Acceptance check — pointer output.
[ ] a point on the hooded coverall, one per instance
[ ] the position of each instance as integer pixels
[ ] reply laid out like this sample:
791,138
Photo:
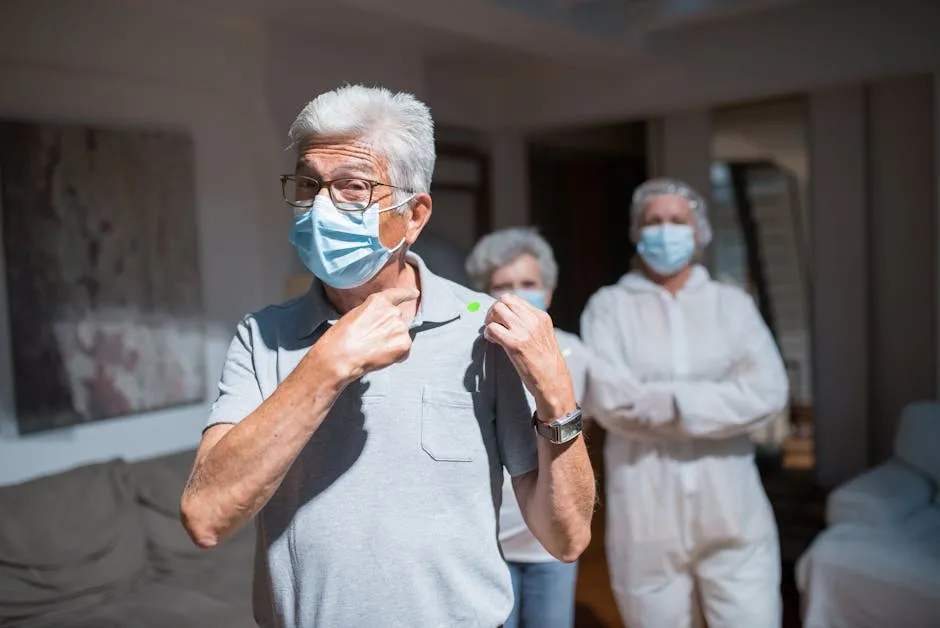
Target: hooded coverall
678,382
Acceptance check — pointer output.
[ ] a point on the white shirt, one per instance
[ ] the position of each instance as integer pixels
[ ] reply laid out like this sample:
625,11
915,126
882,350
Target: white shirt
518,543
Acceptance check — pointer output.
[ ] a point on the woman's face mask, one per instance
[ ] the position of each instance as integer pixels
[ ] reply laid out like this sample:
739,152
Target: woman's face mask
342,248
535,298
523,278
666,248
667,242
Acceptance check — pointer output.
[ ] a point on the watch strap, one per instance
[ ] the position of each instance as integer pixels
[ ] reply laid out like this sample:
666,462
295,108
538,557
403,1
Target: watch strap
560,430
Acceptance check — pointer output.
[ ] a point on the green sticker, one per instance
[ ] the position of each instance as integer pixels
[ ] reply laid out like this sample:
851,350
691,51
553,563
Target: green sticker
473,307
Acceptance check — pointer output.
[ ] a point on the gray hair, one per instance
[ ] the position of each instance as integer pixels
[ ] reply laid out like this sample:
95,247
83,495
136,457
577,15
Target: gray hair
499,248
397,126
659,187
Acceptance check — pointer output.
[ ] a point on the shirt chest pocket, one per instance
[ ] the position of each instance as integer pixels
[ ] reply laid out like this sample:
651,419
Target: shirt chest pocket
450,431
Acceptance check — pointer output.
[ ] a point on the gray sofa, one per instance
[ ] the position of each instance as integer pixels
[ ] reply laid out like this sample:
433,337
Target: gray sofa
101,546
878,562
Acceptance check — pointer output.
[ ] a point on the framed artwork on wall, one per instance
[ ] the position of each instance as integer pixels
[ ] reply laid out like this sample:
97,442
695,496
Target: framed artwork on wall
101,259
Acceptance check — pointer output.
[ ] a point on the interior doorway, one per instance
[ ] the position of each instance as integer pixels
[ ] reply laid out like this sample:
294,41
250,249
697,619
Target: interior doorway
760,179
581,182
580,185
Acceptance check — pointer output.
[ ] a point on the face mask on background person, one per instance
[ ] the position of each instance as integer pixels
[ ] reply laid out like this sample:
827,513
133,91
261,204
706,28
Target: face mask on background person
666,248
341,248
535,298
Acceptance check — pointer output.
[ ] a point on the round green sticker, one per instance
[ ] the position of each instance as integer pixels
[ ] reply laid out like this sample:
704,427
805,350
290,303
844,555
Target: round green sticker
473,307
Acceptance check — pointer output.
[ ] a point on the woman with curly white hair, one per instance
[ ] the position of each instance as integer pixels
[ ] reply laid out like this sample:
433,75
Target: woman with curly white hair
520,261
683,368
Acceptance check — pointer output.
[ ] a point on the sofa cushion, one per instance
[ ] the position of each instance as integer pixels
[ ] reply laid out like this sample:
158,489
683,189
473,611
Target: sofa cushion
67,541
867,577
159,483
923,530
154,605
227,574
918,439
889,493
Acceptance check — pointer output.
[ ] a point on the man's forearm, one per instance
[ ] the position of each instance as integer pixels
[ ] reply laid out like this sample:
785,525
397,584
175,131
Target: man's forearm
234,478
562,499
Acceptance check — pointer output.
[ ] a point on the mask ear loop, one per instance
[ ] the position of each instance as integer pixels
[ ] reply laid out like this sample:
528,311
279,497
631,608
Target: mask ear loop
391,207
396,206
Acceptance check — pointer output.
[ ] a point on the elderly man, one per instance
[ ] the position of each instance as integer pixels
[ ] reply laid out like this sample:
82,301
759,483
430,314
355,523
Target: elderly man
367,423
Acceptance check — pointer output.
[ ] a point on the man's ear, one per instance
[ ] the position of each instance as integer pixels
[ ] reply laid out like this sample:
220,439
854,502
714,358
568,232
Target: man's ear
548,298
418,217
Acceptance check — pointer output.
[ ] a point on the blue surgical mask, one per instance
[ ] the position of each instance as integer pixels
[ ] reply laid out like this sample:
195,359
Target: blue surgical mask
342,248
666,248
535,298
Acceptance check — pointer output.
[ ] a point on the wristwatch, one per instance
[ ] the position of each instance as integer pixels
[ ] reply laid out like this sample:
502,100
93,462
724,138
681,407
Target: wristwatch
560,430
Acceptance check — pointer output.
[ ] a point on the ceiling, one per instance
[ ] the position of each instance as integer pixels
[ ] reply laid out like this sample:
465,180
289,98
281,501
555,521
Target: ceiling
571,31
541,63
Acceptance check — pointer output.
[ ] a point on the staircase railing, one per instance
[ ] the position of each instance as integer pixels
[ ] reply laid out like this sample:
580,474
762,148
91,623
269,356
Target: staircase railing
751,234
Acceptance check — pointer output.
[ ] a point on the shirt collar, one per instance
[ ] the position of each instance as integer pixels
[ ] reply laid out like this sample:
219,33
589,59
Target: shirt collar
636,281
438,303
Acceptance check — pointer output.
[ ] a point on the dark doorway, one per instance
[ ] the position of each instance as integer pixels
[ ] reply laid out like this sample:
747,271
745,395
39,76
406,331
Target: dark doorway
580,187
581,182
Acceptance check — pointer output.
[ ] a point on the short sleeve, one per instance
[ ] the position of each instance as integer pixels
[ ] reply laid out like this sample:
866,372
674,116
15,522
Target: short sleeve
514,407
239,391
576,358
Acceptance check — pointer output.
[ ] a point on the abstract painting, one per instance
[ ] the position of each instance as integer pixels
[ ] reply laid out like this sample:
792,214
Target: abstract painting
102,271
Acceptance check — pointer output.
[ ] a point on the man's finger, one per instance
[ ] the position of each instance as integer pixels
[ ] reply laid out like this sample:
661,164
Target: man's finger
494,332
500,313
524,315
397,296
516,304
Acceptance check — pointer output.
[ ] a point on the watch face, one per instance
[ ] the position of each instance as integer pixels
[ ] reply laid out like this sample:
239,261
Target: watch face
562,430
569,431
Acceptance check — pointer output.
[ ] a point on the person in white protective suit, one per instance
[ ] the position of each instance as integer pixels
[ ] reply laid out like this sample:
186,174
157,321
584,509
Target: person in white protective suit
520,261
683,368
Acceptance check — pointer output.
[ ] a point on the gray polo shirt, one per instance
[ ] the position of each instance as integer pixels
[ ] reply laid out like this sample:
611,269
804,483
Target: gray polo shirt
389,515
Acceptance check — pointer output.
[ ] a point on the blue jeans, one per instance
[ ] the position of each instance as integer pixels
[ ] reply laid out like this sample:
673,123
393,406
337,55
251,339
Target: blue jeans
544,595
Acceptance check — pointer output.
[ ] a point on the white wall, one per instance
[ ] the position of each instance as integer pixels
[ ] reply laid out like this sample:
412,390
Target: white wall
872,228
840,299
761,55
236,86
772,131
687,148
936,199
206,82
509,179
873,179
684,151
901,235
776,132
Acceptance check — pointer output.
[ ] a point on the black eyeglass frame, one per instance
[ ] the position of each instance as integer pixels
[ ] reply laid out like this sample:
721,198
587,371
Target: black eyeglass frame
318,186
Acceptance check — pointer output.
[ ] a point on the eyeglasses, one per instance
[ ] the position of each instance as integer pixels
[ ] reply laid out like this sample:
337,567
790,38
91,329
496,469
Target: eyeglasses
347,194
